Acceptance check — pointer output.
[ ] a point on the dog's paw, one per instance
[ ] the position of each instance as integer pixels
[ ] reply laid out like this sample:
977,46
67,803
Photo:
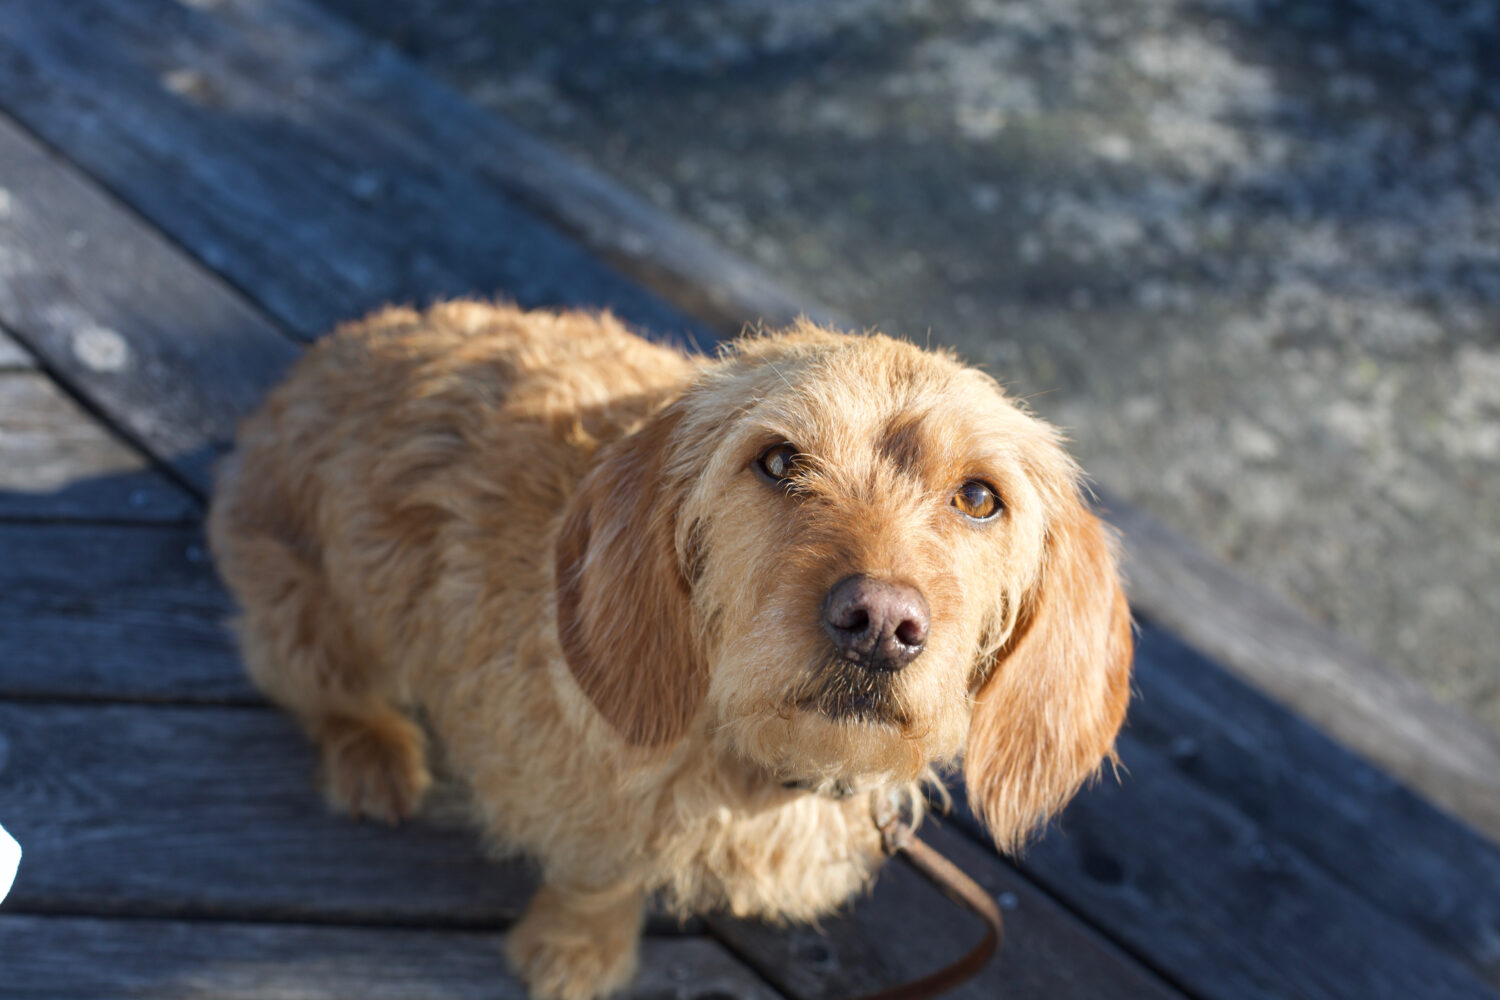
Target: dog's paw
567,953
571,969
374,767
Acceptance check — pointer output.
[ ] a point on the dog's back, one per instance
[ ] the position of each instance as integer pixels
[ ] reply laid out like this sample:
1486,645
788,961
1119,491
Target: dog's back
404,454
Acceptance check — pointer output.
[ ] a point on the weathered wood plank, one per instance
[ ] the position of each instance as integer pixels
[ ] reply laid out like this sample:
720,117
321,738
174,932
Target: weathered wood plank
173,812
183,812
108,611
1224,909
13,357
662,253
169,353
125,613
1349,693
69,957
907,928
237,133
58,462
1190,728
1215,858
1374,835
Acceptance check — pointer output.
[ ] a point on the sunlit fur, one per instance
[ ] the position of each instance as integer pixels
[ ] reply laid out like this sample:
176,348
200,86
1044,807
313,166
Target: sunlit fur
547,538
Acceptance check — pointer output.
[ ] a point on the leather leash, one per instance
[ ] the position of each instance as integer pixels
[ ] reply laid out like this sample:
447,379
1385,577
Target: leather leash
894,817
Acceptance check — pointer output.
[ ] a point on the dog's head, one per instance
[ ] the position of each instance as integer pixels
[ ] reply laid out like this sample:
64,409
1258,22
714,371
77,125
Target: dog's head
848,559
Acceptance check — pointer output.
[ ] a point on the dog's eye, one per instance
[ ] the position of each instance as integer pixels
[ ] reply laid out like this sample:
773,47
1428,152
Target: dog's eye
780,461
978,500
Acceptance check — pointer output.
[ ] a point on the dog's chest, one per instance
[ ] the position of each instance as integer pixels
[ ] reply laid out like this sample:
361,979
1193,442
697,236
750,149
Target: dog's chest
799,857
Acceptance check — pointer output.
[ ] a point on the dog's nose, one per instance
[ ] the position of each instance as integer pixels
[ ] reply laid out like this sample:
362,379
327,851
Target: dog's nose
880,624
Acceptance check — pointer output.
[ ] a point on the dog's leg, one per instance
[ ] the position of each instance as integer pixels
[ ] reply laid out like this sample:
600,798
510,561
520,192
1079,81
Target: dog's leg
575,945
373,764
300,650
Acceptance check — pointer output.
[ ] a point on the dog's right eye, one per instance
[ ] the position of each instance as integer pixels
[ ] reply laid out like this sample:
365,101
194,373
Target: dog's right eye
779,462
977,500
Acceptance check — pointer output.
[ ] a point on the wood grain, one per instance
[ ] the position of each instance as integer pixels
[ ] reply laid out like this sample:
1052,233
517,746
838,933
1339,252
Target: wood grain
210,812
1375,836
907,928
261,139
1223,907
206,812
1350,694
1241,854
64,958
170,354
682,263
58,462
13,357
113,611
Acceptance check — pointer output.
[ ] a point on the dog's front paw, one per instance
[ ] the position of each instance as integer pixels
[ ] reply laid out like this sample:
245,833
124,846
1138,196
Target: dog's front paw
573,947
374,767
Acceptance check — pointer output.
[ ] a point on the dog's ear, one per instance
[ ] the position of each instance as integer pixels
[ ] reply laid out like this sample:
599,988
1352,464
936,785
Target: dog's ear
623,604
1048,711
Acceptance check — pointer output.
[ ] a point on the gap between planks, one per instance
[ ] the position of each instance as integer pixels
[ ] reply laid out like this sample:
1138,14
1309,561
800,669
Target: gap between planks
59,462
58,957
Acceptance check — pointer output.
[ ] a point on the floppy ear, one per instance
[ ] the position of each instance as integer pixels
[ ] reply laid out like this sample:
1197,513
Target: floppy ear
623,603
1047,714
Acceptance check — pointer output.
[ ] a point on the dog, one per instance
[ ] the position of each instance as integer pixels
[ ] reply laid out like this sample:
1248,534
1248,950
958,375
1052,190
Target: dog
675,621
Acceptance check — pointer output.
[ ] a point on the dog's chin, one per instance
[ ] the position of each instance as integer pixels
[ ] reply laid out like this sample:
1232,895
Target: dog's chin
853,693
834,727
833,749
854,708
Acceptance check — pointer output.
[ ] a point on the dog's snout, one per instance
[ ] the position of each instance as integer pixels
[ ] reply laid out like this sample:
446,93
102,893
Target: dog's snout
882,625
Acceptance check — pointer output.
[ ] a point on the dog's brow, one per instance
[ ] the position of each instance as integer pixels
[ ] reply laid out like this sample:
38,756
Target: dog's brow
902,442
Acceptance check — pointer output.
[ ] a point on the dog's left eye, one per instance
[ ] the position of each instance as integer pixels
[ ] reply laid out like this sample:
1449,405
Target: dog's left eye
978,500
779,462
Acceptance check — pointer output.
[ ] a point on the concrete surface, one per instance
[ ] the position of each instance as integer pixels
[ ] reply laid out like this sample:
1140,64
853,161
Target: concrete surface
1248,251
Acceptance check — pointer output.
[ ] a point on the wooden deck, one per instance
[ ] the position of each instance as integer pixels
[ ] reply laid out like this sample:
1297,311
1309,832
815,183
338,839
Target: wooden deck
188,191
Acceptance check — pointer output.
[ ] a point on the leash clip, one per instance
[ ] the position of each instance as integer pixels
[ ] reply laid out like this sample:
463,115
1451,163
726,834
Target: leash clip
895,815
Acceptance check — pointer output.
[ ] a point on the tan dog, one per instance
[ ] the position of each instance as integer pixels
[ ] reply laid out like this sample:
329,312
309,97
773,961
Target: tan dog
674,620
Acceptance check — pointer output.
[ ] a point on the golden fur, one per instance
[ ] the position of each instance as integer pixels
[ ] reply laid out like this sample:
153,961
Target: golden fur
546,537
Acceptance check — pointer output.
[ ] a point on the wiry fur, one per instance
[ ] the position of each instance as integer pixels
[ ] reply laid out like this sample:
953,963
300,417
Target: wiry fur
547,535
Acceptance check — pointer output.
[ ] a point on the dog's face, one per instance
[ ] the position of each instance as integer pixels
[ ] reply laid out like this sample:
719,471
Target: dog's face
850,559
